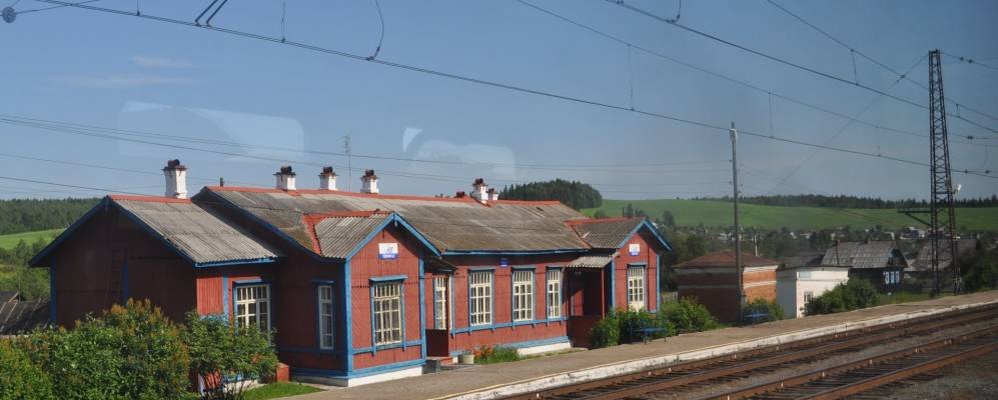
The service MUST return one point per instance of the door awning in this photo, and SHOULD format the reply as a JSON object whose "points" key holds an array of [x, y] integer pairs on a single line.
{"points": [[591, 262]]}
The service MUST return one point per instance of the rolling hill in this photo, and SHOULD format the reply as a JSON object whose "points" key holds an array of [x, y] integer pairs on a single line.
{"points": [[718, 213], [9, 241]]}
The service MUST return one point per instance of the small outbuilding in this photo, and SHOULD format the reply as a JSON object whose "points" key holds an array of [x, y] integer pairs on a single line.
{"points": [[713, 281], [799, 280]]}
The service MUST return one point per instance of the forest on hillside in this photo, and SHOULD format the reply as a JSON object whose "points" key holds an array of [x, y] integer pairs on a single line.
{"points": [[571, 193], [842, 201], [24, 215]]}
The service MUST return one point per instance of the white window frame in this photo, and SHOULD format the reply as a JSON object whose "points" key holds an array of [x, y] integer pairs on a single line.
{"points": [[480, 298], [387, 312], [255, 297], [441, 302], [808, 296], [636, 287], [324, 309], [523, 295], [554, 299]]}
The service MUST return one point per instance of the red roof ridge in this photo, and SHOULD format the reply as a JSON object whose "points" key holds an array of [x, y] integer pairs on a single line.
{"points": [[527, 202], [340, 193], [150, 199], [598, 220]]}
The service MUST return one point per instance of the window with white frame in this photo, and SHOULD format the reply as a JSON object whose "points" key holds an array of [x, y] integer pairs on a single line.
{"points": [[554, 293], [441, 299], [808, 296], [480, 297], [387, 301], [253, 306], [325, 294], [636, 288], [523, 295]]}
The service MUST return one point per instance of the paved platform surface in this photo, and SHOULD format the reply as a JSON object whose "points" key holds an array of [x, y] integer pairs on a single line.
{"points": [[490, 381]]}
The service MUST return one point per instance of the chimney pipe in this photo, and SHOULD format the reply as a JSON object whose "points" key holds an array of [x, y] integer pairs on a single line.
{"points": [[327, 179], [176, 179], [481, 191], [493, 194], [370, 182], [285, 178]]}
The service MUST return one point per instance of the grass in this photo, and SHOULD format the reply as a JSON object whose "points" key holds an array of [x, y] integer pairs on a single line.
{"points": [[9, 241], [718, 213], [279, 389]]}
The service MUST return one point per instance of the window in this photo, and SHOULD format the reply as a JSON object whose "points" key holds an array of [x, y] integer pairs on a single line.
{"points": [[808, 296], [523, 295], [805, 275], [636, 288], [440, 302], [387, 312], [554, 293], [480, 297], [325, 316], [253, 306]]}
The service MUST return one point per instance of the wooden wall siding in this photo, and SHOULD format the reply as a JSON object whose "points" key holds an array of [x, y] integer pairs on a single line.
{"points": [[647, 257], [366, 265]]}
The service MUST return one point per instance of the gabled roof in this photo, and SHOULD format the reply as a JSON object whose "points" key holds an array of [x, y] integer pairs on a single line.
{"points": [[450, 225], [868, 254], [198, 235], [727, 259], [341, 235], [923, 261], [613, 233]]}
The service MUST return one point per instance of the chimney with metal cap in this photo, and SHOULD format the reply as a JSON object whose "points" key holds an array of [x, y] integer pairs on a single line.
{"points": [[176, 179], [327, 179], [285, 178], [493, 194], [481, 192], [370, 182]]}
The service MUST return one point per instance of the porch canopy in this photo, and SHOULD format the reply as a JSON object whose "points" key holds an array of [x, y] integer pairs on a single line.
{"points": [[591, 262]]}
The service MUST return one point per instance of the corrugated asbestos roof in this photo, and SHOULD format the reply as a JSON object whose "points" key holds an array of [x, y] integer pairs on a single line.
{"points": [[198, 233], [727, 259], [871, 254], [18, 317], [608, 233], [597, 262], [338, 236], [923, 261], [460, 225]]}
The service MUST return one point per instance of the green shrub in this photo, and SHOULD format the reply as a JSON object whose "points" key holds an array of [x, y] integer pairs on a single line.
{"points": [[772, 310], [853, 295], [606, 332], [687, 315], [619, 327], [495, 354], [20, 378], [221, 355]]}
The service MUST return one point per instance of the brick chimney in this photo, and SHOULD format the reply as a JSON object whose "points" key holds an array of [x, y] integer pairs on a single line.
{"points": [[285, 178], [327, 179], [481, 191], [176, 179], [370, 182], [493, 194]]}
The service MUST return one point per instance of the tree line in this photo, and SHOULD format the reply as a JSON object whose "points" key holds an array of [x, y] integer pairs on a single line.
{"points": [[25, 215], [843, 201], [574, 194]]}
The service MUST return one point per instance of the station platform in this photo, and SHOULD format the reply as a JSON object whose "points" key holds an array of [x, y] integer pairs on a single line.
{"points": [[499, 380]]}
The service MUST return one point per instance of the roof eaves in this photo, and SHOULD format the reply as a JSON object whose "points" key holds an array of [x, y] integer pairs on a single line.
{"points": [[393, 217]]}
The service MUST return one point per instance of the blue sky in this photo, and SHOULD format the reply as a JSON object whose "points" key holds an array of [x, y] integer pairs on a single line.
{"points": [[134, 74]]}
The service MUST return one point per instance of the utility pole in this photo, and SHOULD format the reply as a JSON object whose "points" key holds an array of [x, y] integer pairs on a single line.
{"points": [[738, 236], [346, 148]]}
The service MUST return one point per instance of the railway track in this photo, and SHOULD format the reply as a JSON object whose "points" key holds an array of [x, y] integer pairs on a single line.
{"points": [[689, 376]]}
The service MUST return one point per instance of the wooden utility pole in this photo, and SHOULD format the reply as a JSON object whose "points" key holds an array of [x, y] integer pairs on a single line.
{"points": [[738, 238]]}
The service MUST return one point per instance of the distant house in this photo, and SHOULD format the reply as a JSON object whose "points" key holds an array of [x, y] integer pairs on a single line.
{"points": [[882, 263], [18, 316], [713, 281], [921, 264], [803, 278]]}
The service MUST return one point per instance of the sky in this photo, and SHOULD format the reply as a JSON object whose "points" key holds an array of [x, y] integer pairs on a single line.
{"points": [[239, 108]]}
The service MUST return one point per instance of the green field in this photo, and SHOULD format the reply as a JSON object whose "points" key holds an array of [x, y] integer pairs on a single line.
{"points": [[9, 241], [718, 213]]}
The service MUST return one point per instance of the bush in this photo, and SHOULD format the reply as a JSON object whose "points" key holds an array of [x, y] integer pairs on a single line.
{"points": [[225, 359], [772, 310], [619, 326], [495, 354], [606, 332], [687, 315], [853, 295], [982, 271], [19, 377]]}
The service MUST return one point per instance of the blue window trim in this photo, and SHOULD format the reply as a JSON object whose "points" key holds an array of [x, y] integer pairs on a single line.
{"points": [[53, 314], [422, 310], [492, 297], [510, 253], [374, 338], [398, 220], [347, 311], [644, 269], [533, 285], [252, 282], [376, 349], [481, 269], [647, 224], [225, 298], [318, 283]]}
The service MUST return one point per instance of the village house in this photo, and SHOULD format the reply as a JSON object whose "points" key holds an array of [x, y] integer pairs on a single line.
{"points": [[921, 270], [713, 281], [360, 287], [802, 278], [882, 263]]}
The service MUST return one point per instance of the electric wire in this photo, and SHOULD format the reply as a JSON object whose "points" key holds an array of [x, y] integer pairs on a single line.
{"points": [[972, 61]]}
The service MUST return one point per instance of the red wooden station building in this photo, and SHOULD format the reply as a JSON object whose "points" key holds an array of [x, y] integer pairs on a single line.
{"points": [[360, 287]]}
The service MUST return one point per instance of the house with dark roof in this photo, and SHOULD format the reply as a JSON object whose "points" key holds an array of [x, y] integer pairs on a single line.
{"points": [[713, 280], [360, 287], [882, 263]]}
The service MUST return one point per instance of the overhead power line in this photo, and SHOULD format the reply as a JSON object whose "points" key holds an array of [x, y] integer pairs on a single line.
{"points": [[789, 63], [972, 61]]}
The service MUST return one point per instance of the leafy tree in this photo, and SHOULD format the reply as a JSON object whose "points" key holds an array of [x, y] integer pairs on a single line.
{"points": [[24, 215], [600, 214], [574, 194], [220, 355], [772, 310], [981, 272], [668, 220], [688, 315]]}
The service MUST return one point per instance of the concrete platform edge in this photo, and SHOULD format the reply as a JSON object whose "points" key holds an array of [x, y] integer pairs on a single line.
{"points": [[625, 367]]}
